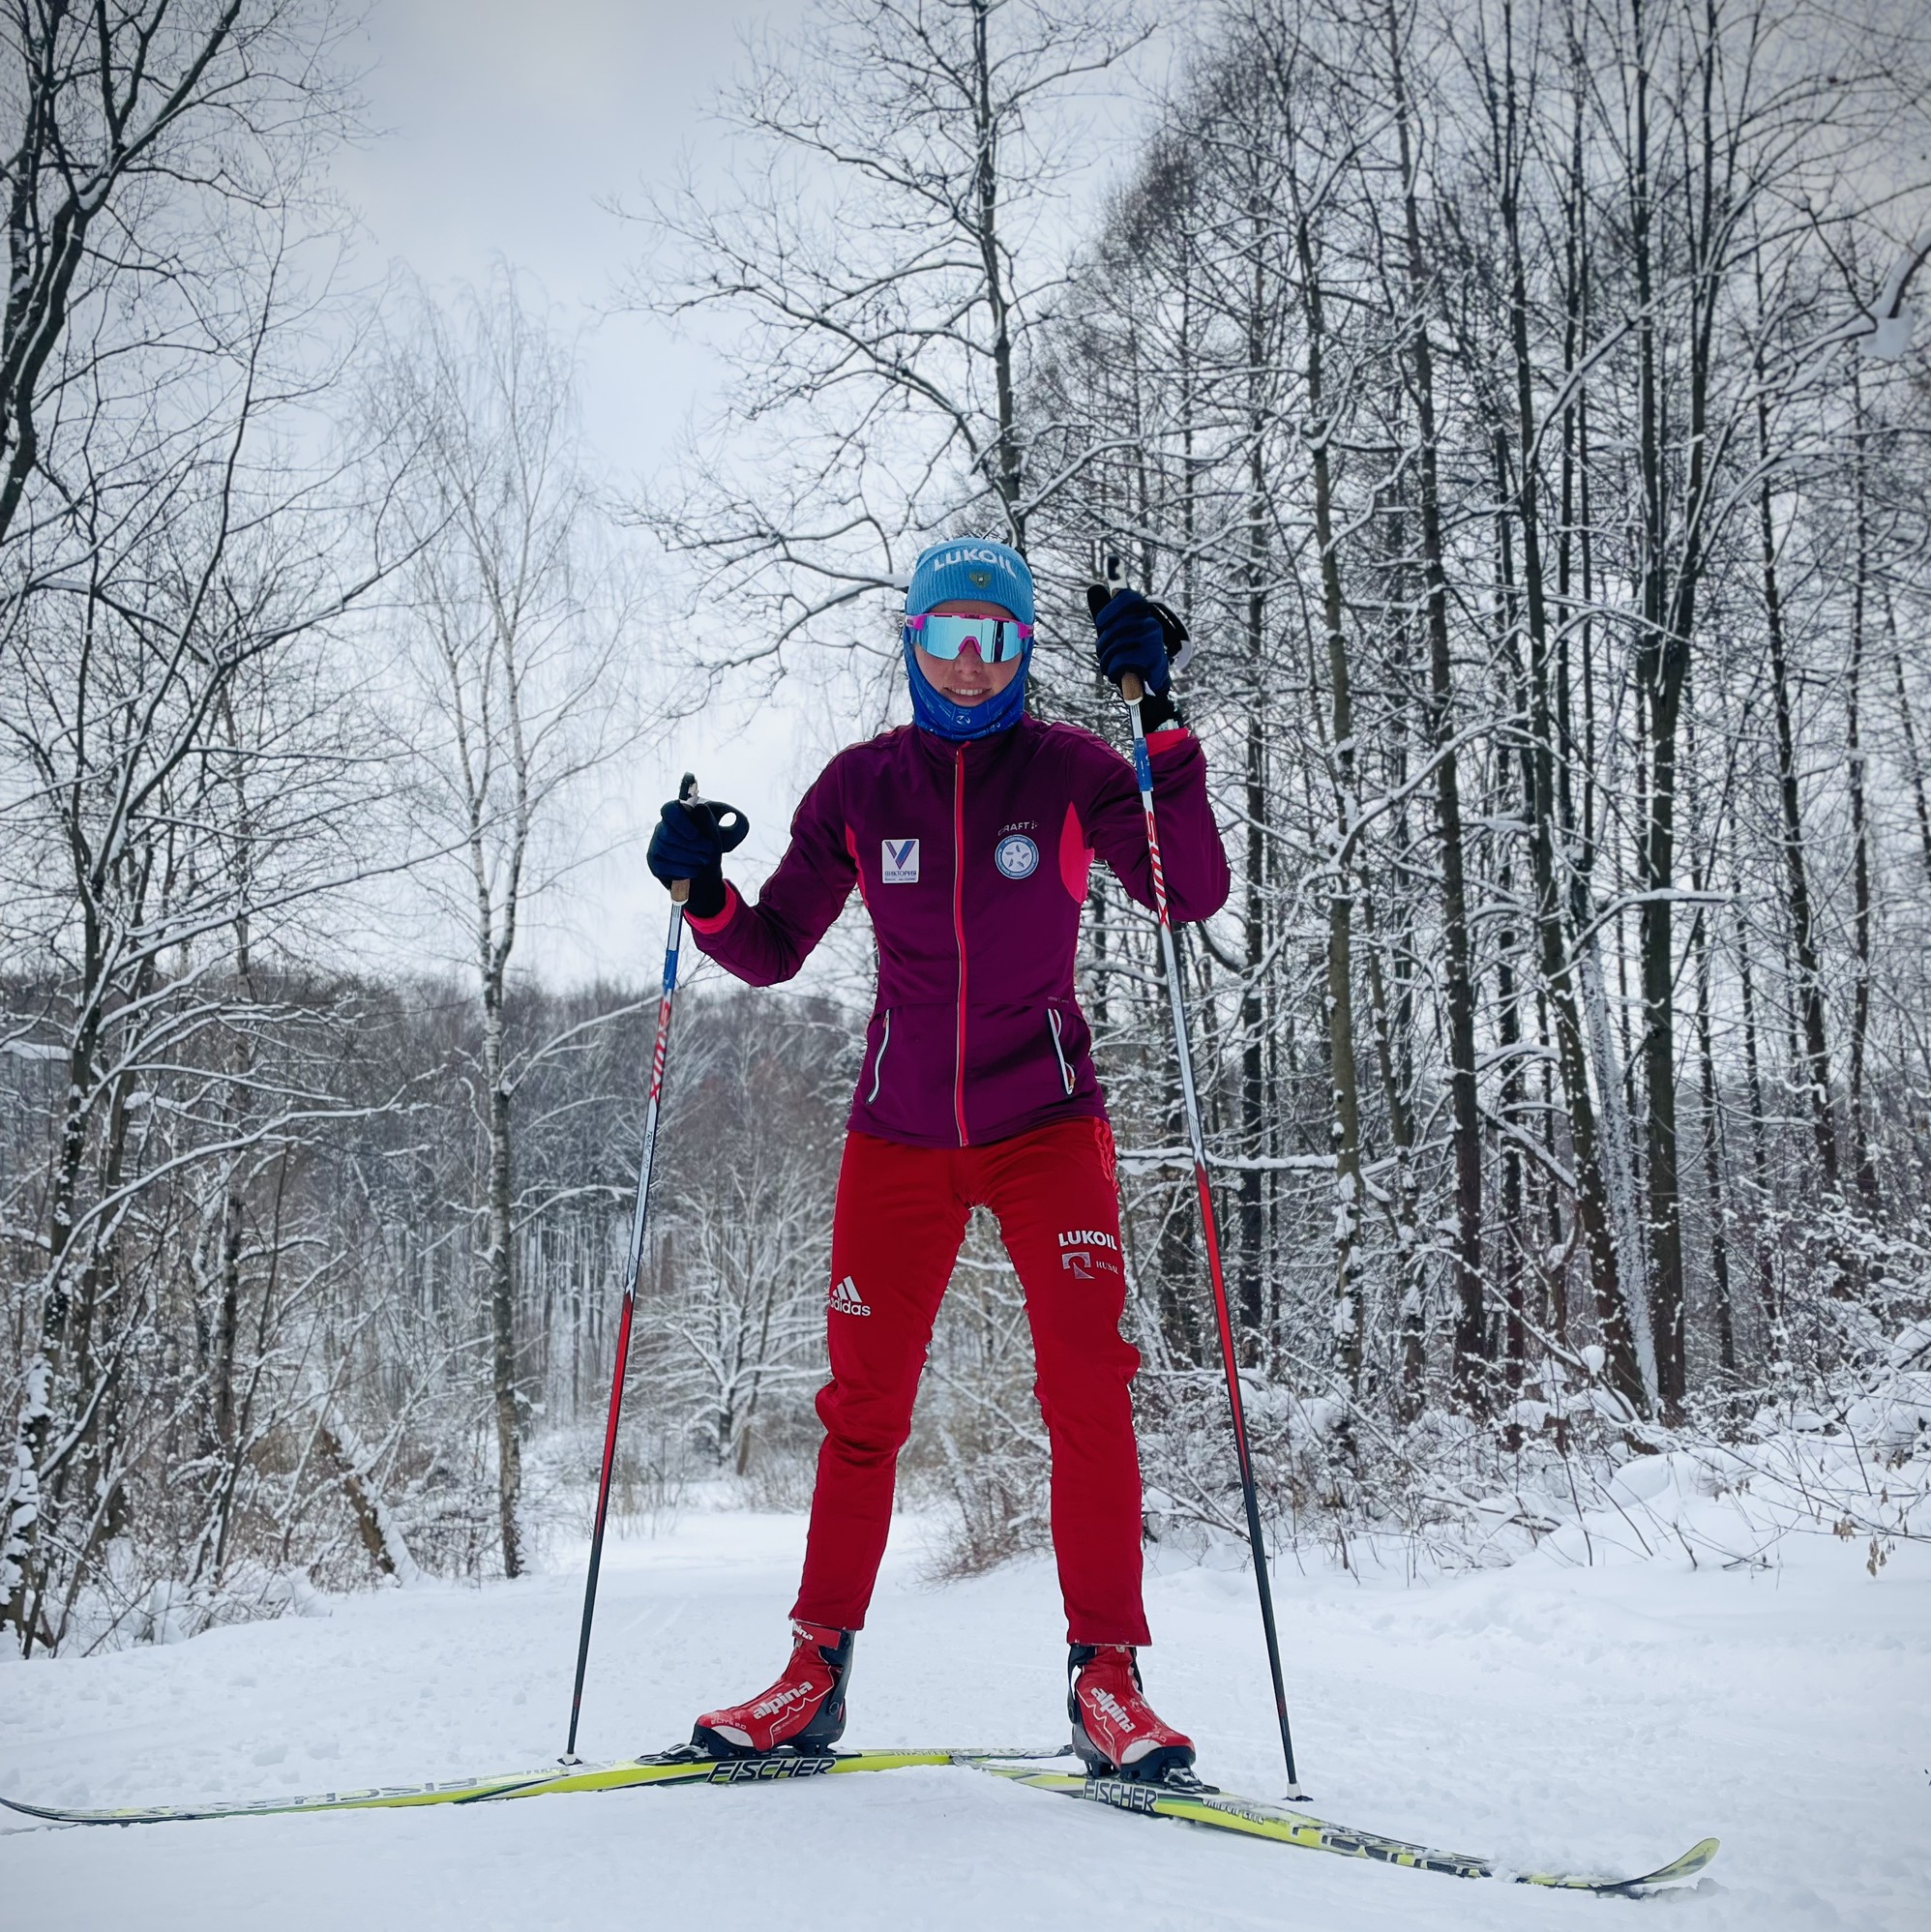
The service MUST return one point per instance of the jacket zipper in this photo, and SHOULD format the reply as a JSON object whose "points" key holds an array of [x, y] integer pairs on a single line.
{"points": [[959, 935], [1058, 1052], [879, 1065]]}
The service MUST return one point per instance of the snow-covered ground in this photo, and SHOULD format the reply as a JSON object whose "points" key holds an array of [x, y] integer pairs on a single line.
{"points": [[1595, 1717]]}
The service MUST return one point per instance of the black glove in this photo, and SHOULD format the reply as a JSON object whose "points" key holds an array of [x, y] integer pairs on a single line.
{"points": [[1135, 634], [692, 836]]}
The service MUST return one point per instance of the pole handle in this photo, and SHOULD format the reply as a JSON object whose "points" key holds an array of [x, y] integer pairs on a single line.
{"points": [[1110, 569], [687, 795]]}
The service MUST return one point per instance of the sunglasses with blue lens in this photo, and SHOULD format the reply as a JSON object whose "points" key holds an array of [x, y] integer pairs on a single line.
{"points": [[997, 638]]}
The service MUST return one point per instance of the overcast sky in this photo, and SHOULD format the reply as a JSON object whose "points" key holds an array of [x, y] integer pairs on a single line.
{"points": [[502, 131], [501, 126]]}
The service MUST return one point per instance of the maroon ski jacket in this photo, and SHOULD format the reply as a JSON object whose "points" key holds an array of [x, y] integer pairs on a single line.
{"points": [[972, 859]]}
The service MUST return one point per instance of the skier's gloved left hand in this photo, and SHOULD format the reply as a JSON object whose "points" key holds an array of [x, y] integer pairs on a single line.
{"points": [[1135, 634], [692, 836], [1132, 637]]}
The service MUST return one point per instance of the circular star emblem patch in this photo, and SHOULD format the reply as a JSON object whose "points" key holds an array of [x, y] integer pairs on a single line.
{"points": [[1016, 855]]}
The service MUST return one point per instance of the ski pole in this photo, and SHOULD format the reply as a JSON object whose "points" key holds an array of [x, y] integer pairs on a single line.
{"points": [[680, 891], [1132, 691]]}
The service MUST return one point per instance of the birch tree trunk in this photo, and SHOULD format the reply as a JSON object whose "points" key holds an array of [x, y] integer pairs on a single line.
{"points": [[518, 624]]}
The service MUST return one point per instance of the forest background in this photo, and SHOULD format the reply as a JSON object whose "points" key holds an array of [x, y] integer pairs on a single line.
{"points": [[1521, 403]]}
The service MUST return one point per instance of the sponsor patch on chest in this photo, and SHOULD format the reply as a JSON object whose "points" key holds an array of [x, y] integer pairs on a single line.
{"points": [[899, 862], [1016, 855]]}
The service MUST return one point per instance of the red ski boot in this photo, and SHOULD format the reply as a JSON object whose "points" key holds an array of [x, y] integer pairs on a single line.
{"points": [[804, 1710], [1115, 1730]]}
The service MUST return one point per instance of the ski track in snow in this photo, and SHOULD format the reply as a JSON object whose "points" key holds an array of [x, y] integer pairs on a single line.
{"points": [[1595, 1719]]}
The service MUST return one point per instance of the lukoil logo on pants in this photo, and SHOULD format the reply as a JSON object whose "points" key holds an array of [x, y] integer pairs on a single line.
{"points": [[1082, 1250]]}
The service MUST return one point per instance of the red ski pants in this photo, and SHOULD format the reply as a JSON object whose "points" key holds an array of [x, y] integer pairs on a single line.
{"points": [[901, 1217]]}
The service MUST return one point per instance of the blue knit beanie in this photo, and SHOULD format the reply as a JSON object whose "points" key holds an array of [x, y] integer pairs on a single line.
{"points": [[971, 567], [979, 568]]}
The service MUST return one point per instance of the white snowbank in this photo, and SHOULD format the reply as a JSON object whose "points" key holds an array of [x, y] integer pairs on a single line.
{"points": [[1553, 1710]]}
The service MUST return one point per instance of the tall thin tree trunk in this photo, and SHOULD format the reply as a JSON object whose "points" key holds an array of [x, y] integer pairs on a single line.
{"points": [[1861, 841], [1712, 1141], [1253, 1085], [1410, 1281], [1346, 1114], [1662, 666], [1457, 981], [1621, 1233], [228, 1324], [1514, 1229], [1796, 872], [1759, 1153], [499, 1276], [1516, 794]]}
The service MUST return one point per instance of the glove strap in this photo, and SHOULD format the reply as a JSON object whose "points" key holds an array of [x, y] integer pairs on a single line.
{"points": [[707, 894], [1157, 711]]}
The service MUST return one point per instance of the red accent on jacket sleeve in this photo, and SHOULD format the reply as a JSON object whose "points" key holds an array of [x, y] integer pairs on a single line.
{"points": [[1198, 881], [767, 943], [858, 871]]}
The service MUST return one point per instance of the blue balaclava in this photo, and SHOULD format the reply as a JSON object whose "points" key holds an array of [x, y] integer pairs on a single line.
{"points": [[971, 567]]}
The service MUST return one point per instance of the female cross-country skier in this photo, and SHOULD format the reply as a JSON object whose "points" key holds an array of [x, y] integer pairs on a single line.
{"points": [[969, 834]]}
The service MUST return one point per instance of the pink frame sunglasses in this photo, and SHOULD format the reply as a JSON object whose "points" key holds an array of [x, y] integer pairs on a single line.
{"points": [[997, 638]]}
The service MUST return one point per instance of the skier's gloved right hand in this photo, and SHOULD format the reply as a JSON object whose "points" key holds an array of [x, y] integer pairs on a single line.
{"points": [[692, 836]]}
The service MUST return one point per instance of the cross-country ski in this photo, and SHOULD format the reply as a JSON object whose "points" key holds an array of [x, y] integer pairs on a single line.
{"points": [[1049, 873], [1179, 1796]]}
